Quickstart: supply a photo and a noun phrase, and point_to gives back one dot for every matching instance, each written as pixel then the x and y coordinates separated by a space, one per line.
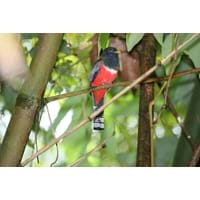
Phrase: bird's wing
pixel 94 71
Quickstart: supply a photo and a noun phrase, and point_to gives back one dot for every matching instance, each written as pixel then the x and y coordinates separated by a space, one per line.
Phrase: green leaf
pixel 182 37
pixel 167 45
pixel 161 71
pixel 181 87
pixel 103 40
pixel 164 154
pixel 9 96
pixel 29 35
pixel 184 153
pixel 132 39
pixel 159 38
pixel 193 53
pixel 65 48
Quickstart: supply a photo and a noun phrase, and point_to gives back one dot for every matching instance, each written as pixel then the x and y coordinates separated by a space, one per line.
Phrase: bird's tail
pixel 98 121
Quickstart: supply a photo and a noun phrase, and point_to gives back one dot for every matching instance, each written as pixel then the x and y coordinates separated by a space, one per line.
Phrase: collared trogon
pixel 104 72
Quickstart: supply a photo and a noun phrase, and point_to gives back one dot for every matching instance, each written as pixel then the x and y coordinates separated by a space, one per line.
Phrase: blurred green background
pixel 71 73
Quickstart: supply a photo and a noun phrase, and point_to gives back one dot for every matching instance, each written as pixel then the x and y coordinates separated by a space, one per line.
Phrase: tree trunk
pixel 21 122
pixel 147 53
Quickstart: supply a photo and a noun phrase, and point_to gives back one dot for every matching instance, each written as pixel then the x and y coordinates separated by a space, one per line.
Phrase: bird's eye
pixel 112 50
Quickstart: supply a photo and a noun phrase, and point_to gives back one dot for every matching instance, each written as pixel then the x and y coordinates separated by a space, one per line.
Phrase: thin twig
pixel 94 114
pixel 183 45
pixel 57 156
pixel 37 121
pixel 94 150
pixel 173 68
pixel 36 146
pixel 53 131
pixel 175 75
pixel 120 84
pixel 195 157
pixel 185 132
pixel 172 109
pixel 152 103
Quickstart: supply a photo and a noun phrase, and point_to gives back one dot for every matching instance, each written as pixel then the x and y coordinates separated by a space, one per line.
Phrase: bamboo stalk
pixel 28 101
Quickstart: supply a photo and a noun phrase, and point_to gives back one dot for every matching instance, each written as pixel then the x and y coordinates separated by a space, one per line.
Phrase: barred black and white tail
pixel 98 121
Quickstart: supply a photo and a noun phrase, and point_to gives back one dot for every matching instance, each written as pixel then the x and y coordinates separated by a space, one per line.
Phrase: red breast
pixel 104 76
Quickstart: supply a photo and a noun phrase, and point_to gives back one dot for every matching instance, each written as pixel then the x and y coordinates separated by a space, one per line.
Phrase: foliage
pixel 71 72
pixel 132 39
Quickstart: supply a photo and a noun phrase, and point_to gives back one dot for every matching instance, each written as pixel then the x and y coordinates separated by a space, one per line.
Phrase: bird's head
pixel 110 57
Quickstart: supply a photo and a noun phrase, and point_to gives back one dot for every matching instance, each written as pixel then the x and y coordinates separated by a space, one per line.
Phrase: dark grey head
pixel 110 57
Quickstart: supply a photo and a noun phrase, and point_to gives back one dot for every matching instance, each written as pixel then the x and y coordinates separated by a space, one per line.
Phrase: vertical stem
pixel 21 122
pixel 147 52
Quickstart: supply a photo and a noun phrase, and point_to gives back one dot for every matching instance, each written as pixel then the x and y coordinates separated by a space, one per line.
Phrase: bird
pixel 105 71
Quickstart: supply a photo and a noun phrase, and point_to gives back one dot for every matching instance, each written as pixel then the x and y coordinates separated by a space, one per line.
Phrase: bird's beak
pixel 118 51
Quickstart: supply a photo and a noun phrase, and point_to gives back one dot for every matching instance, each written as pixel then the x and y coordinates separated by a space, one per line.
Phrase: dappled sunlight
pixel 64 124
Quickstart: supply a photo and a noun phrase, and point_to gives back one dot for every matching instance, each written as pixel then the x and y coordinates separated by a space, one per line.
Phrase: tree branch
pixel 119 84
pixel 195 157
pixel 94 114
